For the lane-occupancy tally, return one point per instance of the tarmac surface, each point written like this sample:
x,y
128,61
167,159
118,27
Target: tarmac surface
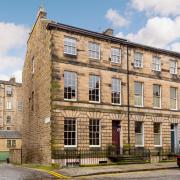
x,y
11,172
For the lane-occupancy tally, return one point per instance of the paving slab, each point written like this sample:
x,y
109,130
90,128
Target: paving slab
x,y
87,171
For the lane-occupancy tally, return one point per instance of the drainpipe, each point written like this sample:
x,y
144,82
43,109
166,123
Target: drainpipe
x,y
128,93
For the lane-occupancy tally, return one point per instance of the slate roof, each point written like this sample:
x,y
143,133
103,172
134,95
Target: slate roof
x,y
10,134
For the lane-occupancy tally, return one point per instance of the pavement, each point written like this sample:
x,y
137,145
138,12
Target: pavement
x,y
169,174
99,170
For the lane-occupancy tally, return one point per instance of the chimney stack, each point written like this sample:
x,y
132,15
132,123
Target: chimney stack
x,y
12,80
41,13
108,32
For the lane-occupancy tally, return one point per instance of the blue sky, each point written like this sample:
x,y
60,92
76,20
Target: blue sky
x,y
151,22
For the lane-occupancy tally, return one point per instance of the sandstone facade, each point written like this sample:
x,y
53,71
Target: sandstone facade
x,y
46,110
11,105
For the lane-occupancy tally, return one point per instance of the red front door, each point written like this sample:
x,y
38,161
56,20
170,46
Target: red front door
x,y
116,133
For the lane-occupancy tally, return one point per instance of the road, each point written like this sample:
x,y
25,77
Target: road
x,y
11,172
173,174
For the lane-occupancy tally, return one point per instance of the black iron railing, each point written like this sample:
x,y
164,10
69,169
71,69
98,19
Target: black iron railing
x,y
72,157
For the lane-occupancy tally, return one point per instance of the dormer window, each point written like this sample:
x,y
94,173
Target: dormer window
x,y
70,46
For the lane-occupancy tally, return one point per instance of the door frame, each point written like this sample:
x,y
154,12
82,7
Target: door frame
x,y
120,134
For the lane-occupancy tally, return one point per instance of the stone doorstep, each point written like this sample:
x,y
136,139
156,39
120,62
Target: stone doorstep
x,y
91,171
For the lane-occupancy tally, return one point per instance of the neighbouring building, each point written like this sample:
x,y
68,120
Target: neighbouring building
x,y
90,90
8,140
11,105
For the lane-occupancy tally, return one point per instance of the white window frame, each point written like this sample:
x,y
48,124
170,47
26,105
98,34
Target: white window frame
x,y
99,134
120,91
9,91
142,86
97,50
9,105
115,55
173,70
99,89
137,145
160,98
75,99
138,63
70,43
72,146
160,135
156,64
176,98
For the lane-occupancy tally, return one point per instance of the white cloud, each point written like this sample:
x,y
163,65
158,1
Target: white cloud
x,y
115,18
158,7
9,62
18,75
4,77
158,32
175,46
12,36
12,41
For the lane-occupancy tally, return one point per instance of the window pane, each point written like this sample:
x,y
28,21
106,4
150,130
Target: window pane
x,y
138,88
115,55
69,132
156,63
138,127
70,46
156,95
70,85
116,91
157,127
139,139
157,139
173,67
173,98
94,88
138,94
94,50
94,132
138,59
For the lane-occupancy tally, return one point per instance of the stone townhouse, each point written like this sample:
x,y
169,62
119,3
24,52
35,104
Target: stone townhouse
x,y
9,140
11,105
86,90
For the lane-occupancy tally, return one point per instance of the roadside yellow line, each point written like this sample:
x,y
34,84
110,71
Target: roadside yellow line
x,y
54,174
60,176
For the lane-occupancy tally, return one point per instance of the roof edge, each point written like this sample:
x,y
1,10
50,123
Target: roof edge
x,y
54,25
